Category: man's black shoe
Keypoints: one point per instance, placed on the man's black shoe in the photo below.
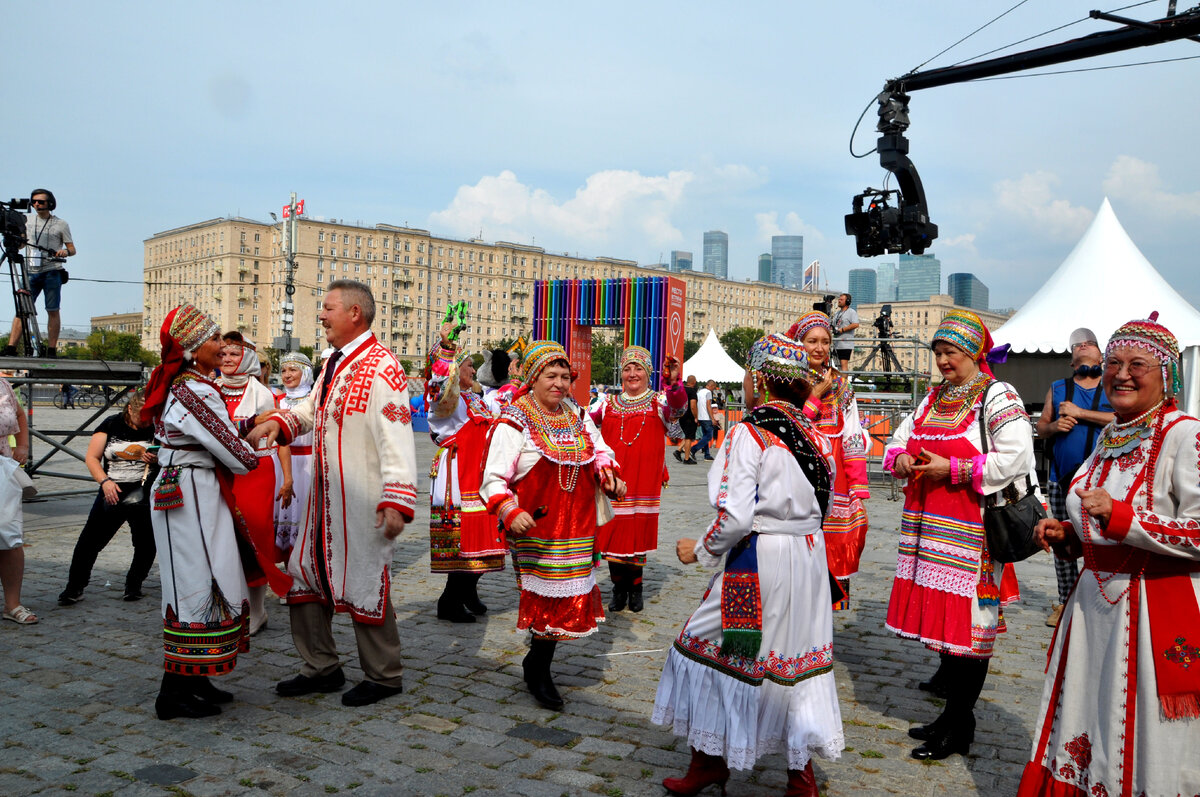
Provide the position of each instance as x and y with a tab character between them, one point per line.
50	353
9	351
369	692
678	454
304	685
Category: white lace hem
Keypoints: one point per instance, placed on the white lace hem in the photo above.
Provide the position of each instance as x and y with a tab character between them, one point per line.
557	589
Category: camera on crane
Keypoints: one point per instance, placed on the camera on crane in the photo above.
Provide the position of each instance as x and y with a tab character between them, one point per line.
881	228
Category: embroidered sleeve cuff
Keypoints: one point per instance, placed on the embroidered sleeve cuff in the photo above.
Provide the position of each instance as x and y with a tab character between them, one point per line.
977	472
245	425
812	408
442	358
705	558
605	465
1119	522
507	511
289	427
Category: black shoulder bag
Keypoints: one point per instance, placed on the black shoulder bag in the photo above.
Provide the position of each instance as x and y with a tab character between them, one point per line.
1009	527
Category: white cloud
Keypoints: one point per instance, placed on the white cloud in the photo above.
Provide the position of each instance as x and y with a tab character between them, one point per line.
1029	201
963	245
1139	183
611	207
769	225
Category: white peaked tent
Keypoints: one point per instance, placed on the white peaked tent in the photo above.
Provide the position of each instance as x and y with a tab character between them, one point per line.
1103	283
711	362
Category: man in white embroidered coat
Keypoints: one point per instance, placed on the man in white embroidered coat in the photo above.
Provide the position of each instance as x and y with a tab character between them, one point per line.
363	493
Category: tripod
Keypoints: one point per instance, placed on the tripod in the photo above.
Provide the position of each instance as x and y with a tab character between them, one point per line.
23	300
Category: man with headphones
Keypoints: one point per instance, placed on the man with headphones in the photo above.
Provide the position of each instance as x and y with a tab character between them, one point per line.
1075	411
48	246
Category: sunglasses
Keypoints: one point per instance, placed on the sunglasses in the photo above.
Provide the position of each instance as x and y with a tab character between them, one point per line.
39	201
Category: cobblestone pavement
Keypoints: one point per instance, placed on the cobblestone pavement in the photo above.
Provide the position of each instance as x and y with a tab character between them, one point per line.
77	690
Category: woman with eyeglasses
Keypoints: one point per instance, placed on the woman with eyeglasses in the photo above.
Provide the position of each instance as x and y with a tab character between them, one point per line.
1120	707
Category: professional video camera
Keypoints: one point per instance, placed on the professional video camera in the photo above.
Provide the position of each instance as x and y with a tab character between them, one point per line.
883	322
12	226
825	305
886	229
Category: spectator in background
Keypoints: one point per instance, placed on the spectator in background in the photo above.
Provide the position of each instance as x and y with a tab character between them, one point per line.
1074	413
12	552
50	244
687	423
704	417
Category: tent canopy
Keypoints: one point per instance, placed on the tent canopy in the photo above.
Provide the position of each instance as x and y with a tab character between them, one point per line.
1103	283
711	362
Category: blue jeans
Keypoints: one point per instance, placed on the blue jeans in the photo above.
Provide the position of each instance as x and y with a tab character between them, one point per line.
49	282
706	436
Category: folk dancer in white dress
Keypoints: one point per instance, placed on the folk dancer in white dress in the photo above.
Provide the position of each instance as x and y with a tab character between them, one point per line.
1120	710
751	672
295	370
464	539
204	598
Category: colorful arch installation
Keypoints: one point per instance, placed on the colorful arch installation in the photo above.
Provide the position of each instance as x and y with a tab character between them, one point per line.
650	309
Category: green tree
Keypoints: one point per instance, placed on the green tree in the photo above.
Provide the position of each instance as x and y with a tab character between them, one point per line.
605	356
105	344
690	347
737	343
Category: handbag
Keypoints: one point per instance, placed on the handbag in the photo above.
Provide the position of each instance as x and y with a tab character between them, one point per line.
1008	527
139	495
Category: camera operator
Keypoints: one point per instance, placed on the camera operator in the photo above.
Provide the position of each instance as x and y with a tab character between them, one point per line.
845	321
49	245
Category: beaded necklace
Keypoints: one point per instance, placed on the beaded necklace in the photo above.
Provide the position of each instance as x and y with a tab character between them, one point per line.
951	403
1119	439
1151	420
560	434
625	406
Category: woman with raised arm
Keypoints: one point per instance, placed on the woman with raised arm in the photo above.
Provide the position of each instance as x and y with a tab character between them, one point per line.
834	412
464	540
636	423
1121	704
196	530
948	592
751	672
548	476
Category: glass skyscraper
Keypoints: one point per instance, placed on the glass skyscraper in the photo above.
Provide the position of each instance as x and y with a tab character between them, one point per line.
967	291
862	286
787	260
885	282
716	253
681	261
764	267
920	277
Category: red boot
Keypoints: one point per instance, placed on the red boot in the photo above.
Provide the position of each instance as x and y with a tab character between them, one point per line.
703	771
802	782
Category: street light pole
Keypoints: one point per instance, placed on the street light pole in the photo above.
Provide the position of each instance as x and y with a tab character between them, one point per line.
290	244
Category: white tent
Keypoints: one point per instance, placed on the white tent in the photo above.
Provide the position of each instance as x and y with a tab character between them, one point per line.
1103	283
711	362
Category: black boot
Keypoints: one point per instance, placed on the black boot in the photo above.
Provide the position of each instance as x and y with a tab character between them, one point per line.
204	689
176	699
470	593
537	673
620	590
635	588
936	685
954	731
450	604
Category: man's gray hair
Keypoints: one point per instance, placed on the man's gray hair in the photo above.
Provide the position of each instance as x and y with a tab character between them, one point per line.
355	293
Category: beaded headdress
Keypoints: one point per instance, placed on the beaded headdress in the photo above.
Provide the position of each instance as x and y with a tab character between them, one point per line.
807	323
538	355
295	357
1152	337
780	358
638	355
189	327
964	329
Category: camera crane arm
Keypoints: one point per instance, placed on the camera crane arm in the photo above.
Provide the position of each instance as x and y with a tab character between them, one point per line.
883	229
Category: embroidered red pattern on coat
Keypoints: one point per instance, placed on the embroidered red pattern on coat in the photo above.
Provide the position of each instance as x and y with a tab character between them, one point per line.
1080	749
782	669
394	413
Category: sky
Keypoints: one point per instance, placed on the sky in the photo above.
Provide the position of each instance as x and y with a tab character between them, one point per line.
619	129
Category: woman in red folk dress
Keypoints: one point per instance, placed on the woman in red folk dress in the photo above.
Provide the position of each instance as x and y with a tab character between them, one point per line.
834	412
255	492
546	475
464	539
636	423
948	592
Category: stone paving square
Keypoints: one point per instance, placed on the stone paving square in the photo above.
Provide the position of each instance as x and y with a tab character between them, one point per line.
77	690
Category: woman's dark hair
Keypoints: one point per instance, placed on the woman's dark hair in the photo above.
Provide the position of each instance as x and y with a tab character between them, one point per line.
133	407
233	336
793	391
500	363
